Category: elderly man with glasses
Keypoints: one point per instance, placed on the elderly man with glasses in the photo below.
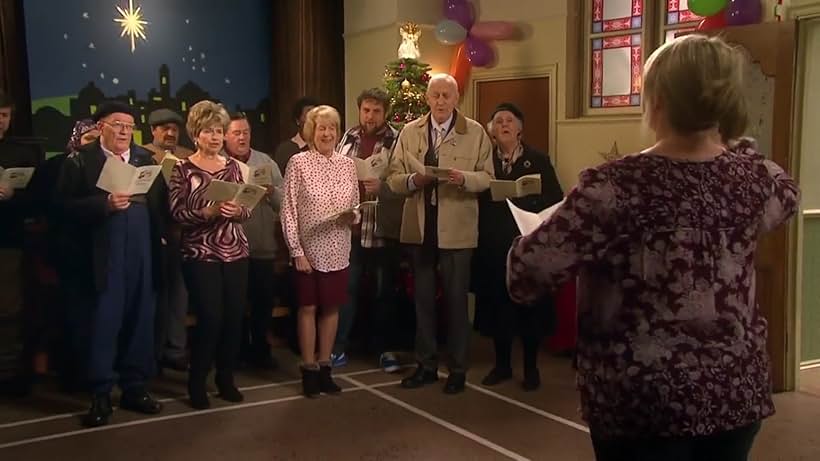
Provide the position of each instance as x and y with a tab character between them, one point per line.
117	245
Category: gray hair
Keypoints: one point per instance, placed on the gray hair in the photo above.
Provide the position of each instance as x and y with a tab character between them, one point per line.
444	77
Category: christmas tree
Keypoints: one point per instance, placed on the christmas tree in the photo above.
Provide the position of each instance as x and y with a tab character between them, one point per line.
406	83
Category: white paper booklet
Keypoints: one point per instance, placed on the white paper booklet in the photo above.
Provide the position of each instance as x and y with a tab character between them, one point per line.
443	174
261	175
118	177
364	169
528	221
357	207
16	178
168	162
247	195
521	187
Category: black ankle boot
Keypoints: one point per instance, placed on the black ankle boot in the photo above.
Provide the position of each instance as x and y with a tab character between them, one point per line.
532	379
326	383
198	394
310	382
227	389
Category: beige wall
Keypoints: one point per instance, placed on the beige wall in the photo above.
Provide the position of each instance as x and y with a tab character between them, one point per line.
371	44
810	114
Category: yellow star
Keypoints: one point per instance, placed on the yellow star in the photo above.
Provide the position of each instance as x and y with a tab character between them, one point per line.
132	23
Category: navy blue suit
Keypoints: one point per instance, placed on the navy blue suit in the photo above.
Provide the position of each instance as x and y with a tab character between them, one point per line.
115	255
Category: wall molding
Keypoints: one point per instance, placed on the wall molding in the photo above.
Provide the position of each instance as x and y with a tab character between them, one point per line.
550	71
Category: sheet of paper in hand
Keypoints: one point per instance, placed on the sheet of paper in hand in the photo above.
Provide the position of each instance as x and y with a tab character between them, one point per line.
364	169
261	175
247	195
379	163
521	187
16	178
443	174
349	210
528	221
118	177
168	162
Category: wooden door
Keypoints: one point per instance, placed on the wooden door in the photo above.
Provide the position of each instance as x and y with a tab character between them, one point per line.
531	95
769	85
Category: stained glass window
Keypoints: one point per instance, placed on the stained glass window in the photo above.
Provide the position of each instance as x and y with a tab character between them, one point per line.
678	18
616	68
616	15
677	12
616	31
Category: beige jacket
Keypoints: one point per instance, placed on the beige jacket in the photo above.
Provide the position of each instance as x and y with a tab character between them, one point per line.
466	148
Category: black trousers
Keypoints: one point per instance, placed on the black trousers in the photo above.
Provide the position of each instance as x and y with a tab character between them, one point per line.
262	283
731	445
219	293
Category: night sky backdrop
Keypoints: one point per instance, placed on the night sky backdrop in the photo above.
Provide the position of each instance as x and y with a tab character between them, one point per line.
223	46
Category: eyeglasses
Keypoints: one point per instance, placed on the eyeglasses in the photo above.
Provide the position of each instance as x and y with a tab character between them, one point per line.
121	126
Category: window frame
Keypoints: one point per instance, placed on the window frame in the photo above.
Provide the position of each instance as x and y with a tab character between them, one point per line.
579	54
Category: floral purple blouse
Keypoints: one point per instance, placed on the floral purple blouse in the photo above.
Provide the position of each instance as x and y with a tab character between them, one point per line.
671	341
218	239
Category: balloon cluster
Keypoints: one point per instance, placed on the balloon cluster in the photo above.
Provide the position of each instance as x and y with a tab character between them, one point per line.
459	28
722	13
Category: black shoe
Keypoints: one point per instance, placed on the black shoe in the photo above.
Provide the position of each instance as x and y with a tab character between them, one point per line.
310	382
198	394
178	364
455	383
100	411
497	376
420	378
326	384
227	389
532	380
139	400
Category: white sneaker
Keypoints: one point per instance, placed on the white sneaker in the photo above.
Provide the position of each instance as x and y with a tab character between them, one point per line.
389	362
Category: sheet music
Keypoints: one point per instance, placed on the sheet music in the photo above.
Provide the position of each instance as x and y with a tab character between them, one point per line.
528	221
16	178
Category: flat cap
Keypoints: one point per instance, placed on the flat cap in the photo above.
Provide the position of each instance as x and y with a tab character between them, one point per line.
163	116
111	107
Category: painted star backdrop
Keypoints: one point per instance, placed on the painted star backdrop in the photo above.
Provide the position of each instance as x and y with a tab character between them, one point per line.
222	46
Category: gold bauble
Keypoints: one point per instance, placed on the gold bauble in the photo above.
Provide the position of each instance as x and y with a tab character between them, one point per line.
405	84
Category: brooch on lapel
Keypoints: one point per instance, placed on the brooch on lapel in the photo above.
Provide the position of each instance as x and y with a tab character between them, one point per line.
527	164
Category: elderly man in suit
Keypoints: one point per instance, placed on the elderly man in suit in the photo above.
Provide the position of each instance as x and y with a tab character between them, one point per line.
117	245
441	220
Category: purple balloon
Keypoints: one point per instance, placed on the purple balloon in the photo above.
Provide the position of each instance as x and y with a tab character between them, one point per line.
460	11
479	52
741	12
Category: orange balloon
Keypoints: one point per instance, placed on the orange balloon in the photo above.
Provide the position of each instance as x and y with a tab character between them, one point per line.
460	67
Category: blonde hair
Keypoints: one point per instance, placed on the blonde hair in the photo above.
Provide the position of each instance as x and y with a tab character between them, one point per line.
698	81
205	114
312	119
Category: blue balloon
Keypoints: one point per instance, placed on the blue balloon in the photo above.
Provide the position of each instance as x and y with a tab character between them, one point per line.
450	32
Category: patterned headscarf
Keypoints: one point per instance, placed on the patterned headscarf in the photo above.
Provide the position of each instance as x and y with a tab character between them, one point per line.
80	128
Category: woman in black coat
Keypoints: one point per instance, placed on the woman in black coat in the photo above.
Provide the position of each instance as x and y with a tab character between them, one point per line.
496	315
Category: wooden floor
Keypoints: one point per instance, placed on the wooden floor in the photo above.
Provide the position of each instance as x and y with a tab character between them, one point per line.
374	419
